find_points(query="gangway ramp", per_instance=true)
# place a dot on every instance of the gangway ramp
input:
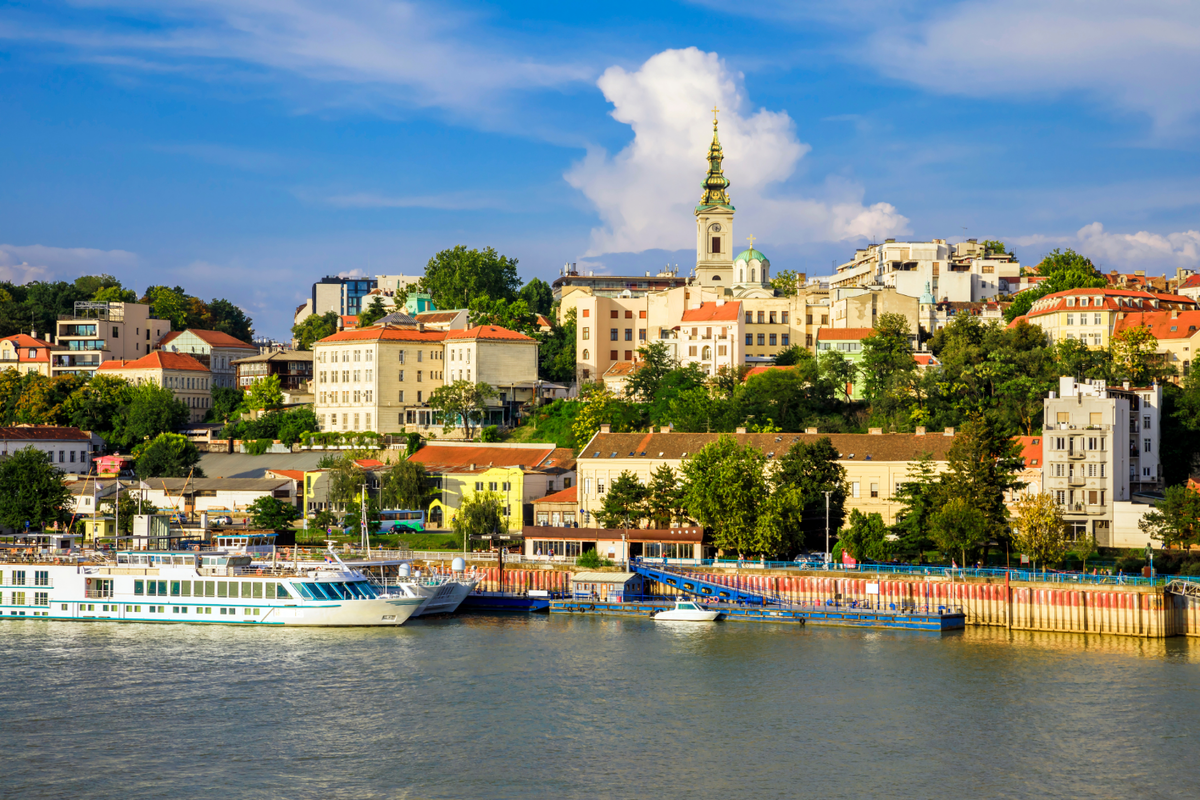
(690, 583)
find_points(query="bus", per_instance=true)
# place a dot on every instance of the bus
(401, 521)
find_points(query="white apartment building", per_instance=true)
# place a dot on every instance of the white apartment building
(1100, 446)
(99, 332)
(954, 273)
(69, 448)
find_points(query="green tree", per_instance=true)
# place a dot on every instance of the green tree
(598, 408)
(461, 402)
(31, 490)
(1180, 431)
(314, 328)
(405, 486)
(1133, 353)
(624, 503)
(226, 401)
(656, 362)
(1175, 520)
(887, 355)
(152, 410)
(723, 489)
(264, 393)
(97, 405)
(866, 538)
(89, 285)
(811, 469)
(115, 294)
(837, 372)
(346, 479)
(168, 455)
(270, 514)
(790, 355)
(538, 295)
(984, 463)
(786, 283)
(453, 277)
(664, 498)
(958, 527)
(373, 312)
(225, 317)
(512, 314)
(994, 247)
(557, 351)
(481, 514)
(1039, 530)
(169, 304)
(920, 496)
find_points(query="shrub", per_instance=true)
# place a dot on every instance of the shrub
(591, 560)
(491, 433)
(259, 446)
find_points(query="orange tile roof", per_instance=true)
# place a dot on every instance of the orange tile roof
(1162, 324)
(294, 474)
(437, 316)
(159, 359)
(570, 495)
(24, 342)
(491, 332)
(1193, 282)
(750, 373)
(1031, 451)
(843, 334)
(385, 334)
(621, 368)
(368, 463)
(711, 312)
(926, 359)
(454, 458)
(349, 321)
(1056, 302)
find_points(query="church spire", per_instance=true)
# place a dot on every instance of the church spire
(715, 182)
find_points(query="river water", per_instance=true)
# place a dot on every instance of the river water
(541, 707)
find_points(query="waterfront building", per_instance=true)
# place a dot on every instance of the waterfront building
(69, 448)
(191, 496)
(519, 473)
(614, 544)
(1100, 447)
(98, 332)
(25, 354)
(188, 379)
(216, 350)
(876, 463)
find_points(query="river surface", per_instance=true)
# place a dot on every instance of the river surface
(541, 707)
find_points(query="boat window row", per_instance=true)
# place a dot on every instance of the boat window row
(336, 590)
(248, 590)
(18, 577)
(157, 559)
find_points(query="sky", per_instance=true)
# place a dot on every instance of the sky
(246, 148)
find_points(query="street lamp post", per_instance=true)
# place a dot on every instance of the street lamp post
(827, 528)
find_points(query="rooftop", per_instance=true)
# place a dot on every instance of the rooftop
(459, 458)
(384, 334)
(211, 338)
(488, 332)
(43, 433)
(570, 495)
(159, 359)
(714, 312)
(1163, 324)
(852, 446)
(843, 334)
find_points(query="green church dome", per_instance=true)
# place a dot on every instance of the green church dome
(750, 255)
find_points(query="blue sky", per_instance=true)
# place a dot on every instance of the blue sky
(244, 148)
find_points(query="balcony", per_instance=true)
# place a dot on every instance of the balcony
(1075, 480)
(1075, 455)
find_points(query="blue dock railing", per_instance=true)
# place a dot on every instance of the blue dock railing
(1022, 575)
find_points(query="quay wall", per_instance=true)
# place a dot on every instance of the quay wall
(1117, 610)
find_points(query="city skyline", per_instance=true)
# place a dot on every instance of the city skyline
(202, 143)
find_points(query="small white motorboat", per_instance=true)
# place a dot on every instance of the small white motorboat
(687, 611)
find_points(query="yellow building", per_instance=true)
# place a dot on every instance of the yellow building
(876, 463)
(1178, 335)
(1091, 315)
(188, 379)
(25, 354)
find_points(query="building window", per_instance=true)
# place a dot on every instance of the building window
(629, 355)
(1070, 319)
(418, 376)
(587, 312)
(1146, 423)
(586, 355)
(692, 351)
(628, 314)
(749, 339)
(854, 489)
(771, 339)
(401, 395)
(874, 490)
(599, 486)
(761, 317)
(613, 334)
(783, 317)
(785, 339)
(641, 334)
(716, 244)
(749, 317)
(402, 358)
(629, 334)
(641, 314)
(614, 314)
(418, 395)
(722, 350)
(1146, 445)
(587, 334)
(762, 340)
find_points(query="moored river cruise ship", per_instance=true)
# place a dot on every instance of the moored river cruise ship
(198, 587)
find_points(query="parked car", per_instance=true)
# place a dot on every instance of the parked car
(223, 521)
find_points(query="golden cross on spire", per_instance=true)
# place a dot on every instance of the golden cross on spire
(715, 110)
(751, 240)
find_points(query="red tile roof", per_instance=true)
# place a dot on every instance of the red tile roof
(211, 338)
(490, 332)
(43, 433)
(385, 335)
(750, 373)
(434, 317)
(1162, 324)
(1031, 451)
(23, 343)
(294, 474)
(159, 359)
(620, 368)
(926, 360)
(459, 458)
(570, 495)
(349, 321)
(711, 312)
(1193, 282)
(843, 334)
(368, 463)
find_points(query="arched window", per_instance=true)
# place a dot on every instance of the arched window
(716, 278)
(706, 353)
(752, 274)
(586, 355)
(741, 276)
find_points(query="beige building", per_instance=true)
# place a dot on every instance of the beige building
(862, 307)
(958, 273)
(1178, 335)
(188, 379)
(216, 350)
(1091, 315)
(25, 354)
(876, 463)
(99, 332)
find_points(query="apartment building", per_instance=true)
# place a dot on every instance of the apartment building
(294, 368)
(711, 336)
(958, 273)
(188, 379)
(859, 307)
(69, 448)
(1100, 447)
(504, 359)
(876, 463)
(97, 332)
(25, 354)
(848, 342)
(1091, 315)
(213, 349)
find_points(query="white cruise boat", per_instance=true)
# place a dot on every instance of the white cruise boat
(204, 587)
(443, 593)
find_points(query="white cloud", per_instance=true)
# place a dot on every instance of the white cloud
(419, 54)
(24, 263)
(1153, 252)
(1139, 57)
(646, 193)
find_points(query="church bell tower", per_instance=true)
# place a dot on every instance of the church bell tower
(714, 223)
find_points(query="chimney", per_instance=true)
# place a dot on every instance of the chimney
(665, 429)
(948, 432)
(606, 428)
(810, 430)
(740, 430)
(920, 430)
(875, 431)
(472, 467)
